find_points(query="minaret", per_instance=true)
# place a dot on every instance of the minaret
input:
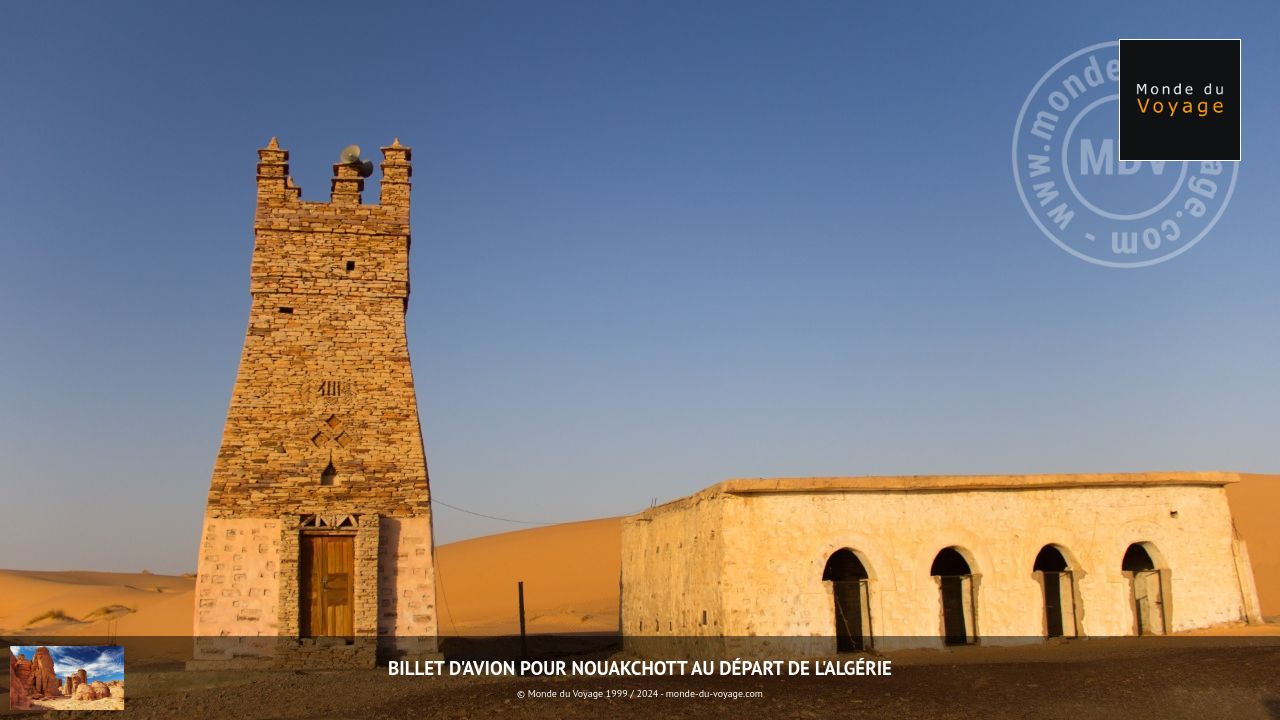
(317, 542)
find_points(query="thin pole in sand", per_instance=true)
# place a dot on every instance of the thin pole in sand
(524, 648)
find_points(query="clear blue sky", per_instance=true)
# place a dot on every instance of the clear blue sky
(656, 245)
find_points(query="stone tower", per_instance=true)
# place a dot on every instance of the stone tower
(317, 544)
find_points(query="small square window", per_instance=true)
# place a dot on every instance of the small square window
(351, 265)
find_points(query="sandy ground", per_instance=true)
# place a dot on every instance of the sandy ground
(69, 704)
(570, 571)
(1132, 678)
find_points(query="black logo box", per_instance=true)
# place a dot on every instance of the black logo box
(1208, 133)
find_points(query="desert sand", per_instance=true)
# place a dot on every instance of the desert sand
(571, 574)
(95, 603)
(1255, 505)
(107, 703)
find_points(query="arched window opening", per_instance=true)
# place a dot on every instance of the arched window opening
(851, 595)
(1149, 589)
(1137, 559)
(950, 562)
(1058, 581)
(329, 475)
(955, 584)
(1050, 559)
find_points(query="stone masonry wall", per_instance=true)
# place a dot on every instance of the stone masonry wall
(325, 377)
(323, 419)
(672, 576)
(407, 619)
(237, 584)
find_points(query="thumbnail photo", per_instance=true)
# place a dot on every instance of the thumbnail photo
(66, 677)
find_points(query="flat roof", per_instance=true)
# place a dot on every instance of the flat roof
(946, 483)
(873, 483)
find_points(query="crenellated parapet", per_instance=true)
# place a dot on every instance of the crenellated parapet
(341, 245)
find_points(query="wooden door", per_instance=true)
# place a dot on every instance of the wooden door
(1052, 603)
(970, 622)
(1068, 605)
(1148, 602)
(849, 614)
(957, 615)
(864, 606)
(328, 586)
(853, 615)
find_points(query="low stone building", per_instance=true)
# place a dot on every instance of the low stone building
(820, 565)
(316, 548)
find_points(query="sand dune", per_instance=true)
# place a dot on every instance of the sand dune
(570, 575)
(570, 571)
(1255, 505)
(95, 603)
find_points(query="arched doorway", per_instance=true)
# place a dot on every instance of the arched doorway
(955, 584)
(1149, 588)
(1056, 577)
(850, 590)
